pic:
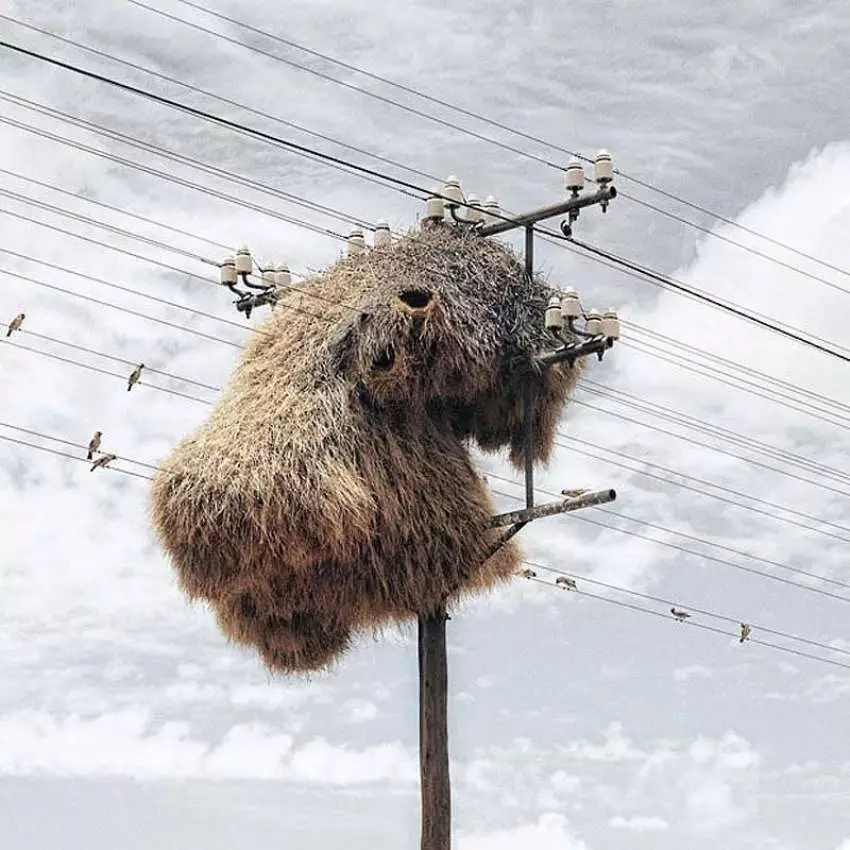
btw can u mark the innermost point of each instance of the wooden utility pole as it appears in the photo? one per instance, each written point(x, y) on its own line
point(435, 783)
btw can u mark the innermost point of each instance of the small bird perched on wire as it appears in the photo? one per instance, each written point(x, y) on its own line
point(681, 616)
point(94, 444)
point(567, 582)
point(134, 377)
point(102, 462)
point(16, 323)
point(527, 573)
point(745, 631)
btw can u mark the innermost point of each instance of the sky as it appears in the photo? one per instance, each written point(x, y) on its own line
point(127, 720)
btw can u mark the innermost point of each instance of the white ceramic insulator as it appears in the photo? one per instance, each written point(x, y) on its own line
point(604, 168)
point(434, 207)
point(492, 211)
point(574, 177)
point(610, 324)
point(244, 262)
point(356, 243)
point(554, 319)
point(228, 271)
point(594, 322)
point(474, 211)
point(383, 238)
point(451, 192)
point(283, 277)
point(570, 305)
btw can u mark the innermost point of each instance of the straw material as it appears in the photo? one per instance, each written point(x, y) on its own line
point(331, 490)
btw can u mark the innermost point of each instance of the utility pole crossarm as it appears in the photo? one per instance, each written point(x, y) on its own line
point(529, 219)
point(573, 503)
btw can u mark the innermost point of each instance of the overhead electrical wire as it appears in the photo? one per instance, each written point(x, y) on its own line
point(419, 172)
point(751, 461)
point(466, 131)
point(700, 491)
point(703, 626)
point(692, 609)
point(112, 208)
point(735, 502)
point(98, 369)
point(532, 564)
point(220, 98)
point(644, 273)
point(694, 423)
point(113, 357)
point(182, 159)
point(598, 597)
point(696, 552)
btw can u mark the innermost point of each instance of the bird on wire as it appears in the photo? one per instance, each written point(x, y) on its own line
point(566, 582)
point(527, 573)
point(681, 616)
point(745, 631)
point(103, 462)
point(94, 444)
point(134, 377)
point(16, 323)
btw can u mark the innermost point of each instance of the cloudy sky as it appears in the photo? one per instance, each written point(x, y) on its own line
point(576, 724)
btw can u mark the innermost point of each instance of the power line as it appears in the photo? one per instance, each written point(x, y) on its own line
point(466, 131)
point(100, 371)
point(668, 282)
point(692, 441)
point(9, 439)
point(785, 393)
point(639, 270)
point(187, 161)
point(705, 627)
point(113, 357)
point(734, 502)
point(696, 552)
point(220, 98)
point(701, 352)
point(756, 641)
point(644, 274)
point(648, 597)
point(692, 423)
point(142, 258)
point(809, 412)
point(118, 231)
point(113, 208)
point(112, 306)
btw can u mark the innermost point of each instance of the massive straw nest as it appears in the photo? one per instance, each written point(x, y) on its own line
point(331, 490)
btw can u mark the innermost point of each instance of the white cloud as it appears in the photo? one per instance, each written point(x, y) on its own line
point(693, 671)
point(131, 744)
point(617, 747)
point(550, 832)
point(360, 710)
point(639, 823)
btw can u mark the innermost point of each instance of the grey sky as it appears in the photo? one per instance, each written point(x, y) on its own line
point(126, 720)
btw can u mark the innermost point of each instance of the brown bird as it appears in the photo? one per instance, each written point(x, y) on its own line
point(134, 377)
point(745, 631)
point(102, 462)
point(527, 573)
point(16, 323)
point(565, 581)
point(681, 616)
point(94, 444)
point(573, 494)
